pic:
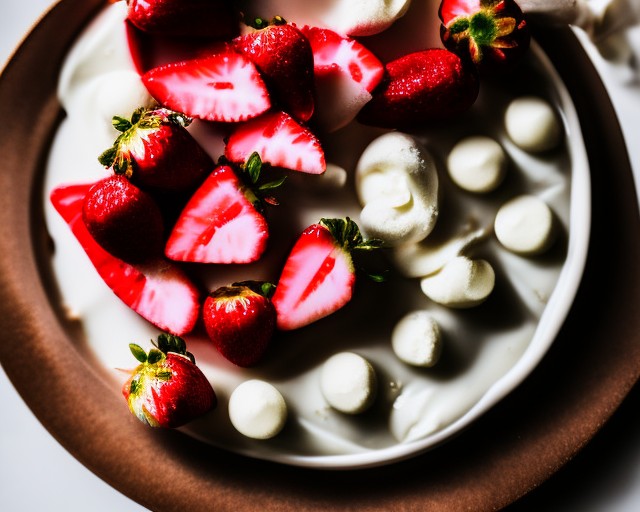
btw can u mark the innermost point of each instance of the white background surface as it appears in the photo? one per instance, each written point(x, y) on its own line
point(37, 474)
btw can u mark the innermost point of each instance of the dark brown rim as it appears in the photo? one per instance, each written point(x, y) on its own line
point(522, 441)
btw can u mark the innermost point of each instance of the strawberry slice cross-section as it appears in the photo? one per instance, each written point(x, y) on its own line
point(157, 290)
point(219, 224)
point(318, 277)
point(280, 141)
point(225, 87)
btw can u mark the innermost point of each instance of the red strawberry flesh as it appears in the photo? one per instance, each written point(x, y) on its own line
point(219, 224)
point(280, 141)
point(157, 290)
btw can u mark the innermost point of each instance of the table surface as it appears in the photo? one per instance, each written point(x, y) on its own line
point(37, 473)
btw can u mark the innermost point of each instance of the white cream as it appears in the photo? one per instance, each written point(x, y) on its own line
point(348, 383)
point(525, 225)
point(477, 164)
point(347, 17)
point(462, 283)
point(257, 409)
point(416, 339)
point(532, 124)
point(397, 183)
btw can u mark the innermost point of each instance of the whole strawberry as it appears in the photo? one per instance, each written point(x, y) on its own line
point(185, 18)
point(284, 57)
point(167, 389)
point(240, 320)
point(492, 33)
point(124, 220)
point(420, 88)
point(156, 152)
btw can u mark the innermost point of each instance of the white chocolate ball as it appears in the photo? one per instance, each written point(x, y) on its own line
point(462, 283)
point(525, 225)
point(532, 124)
point(416, 339)
point(257, 409)
point(348, 382)
point(477, 164)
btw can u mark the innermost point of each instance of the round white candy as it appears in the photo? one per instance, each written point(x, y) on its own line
point(525, 225)
point(532, 124)
point(257, 409)
point(416, 339)
point(348, 382)
point(477, 164)
point(462, 283)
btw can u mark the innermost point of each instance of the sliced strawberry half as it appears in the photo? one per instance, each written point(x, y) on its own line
point(225, 86)
point(280, 141)
point(219, 224)
point(331, 49)
point(157, 290)
point(318, 277)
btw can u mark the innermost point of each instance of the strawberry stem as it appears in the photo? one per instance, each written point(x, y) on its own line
point(347, 234)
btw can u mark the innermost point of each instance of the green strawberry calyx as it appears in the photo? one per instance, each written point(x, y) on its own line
point(121, 156)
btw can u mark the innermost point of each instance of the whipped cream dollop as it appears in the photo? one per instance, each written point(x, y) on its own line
point(397, 184)
point(462, 283)
point(348, 382)
point(257, 409)
point(477, 164)
point(532, 124)
point(416, 339)
point(525, 225)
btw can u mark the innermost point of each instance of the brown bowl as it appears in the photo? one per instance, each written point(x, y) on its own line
point(516, 446)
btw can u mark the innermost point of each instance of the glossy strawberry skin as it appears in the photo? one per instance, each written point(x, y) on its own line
point(156, 152)
point(422, 88)
point(240, 322)
point(493, 34)
point(185, 18)
point(168, 390)
point(283, 55)
point(124, 220)
point(157, 290)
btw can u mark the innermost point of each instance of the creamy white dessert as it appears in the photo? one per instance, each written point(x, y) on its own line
point(477, 164)
point(348, 382)
point(416, 408)
point(257, 409)
point(525, 225)
point(533, 124)
point(417, 340)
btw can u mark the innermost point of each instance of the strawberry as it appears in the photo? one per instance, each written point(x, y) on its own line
point(221, 222)
point(123, 219)
point(224, 86)
point(240, 320)
point(331, 49)
point(280, 141)
point(185, 18)
point(419, 88)
point(157, 290)
point(492, 33)
point(167, 389)
point(318, 277)
point(156, 152)
point(284, 57)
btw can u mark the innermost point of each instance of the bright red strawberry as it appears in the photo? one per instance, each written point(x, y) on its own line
point(240, 320)
point(156, 152)
point(492, 33)
point(185, 18)
point(124, 220)
point(284, 57)
point(157, 290)
point(318, 277)
point(220, 223)
point(331, 49)
point(225, 86)
point(167, 389)
point(280, 141)
point(420, 88)
point(150, 51)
